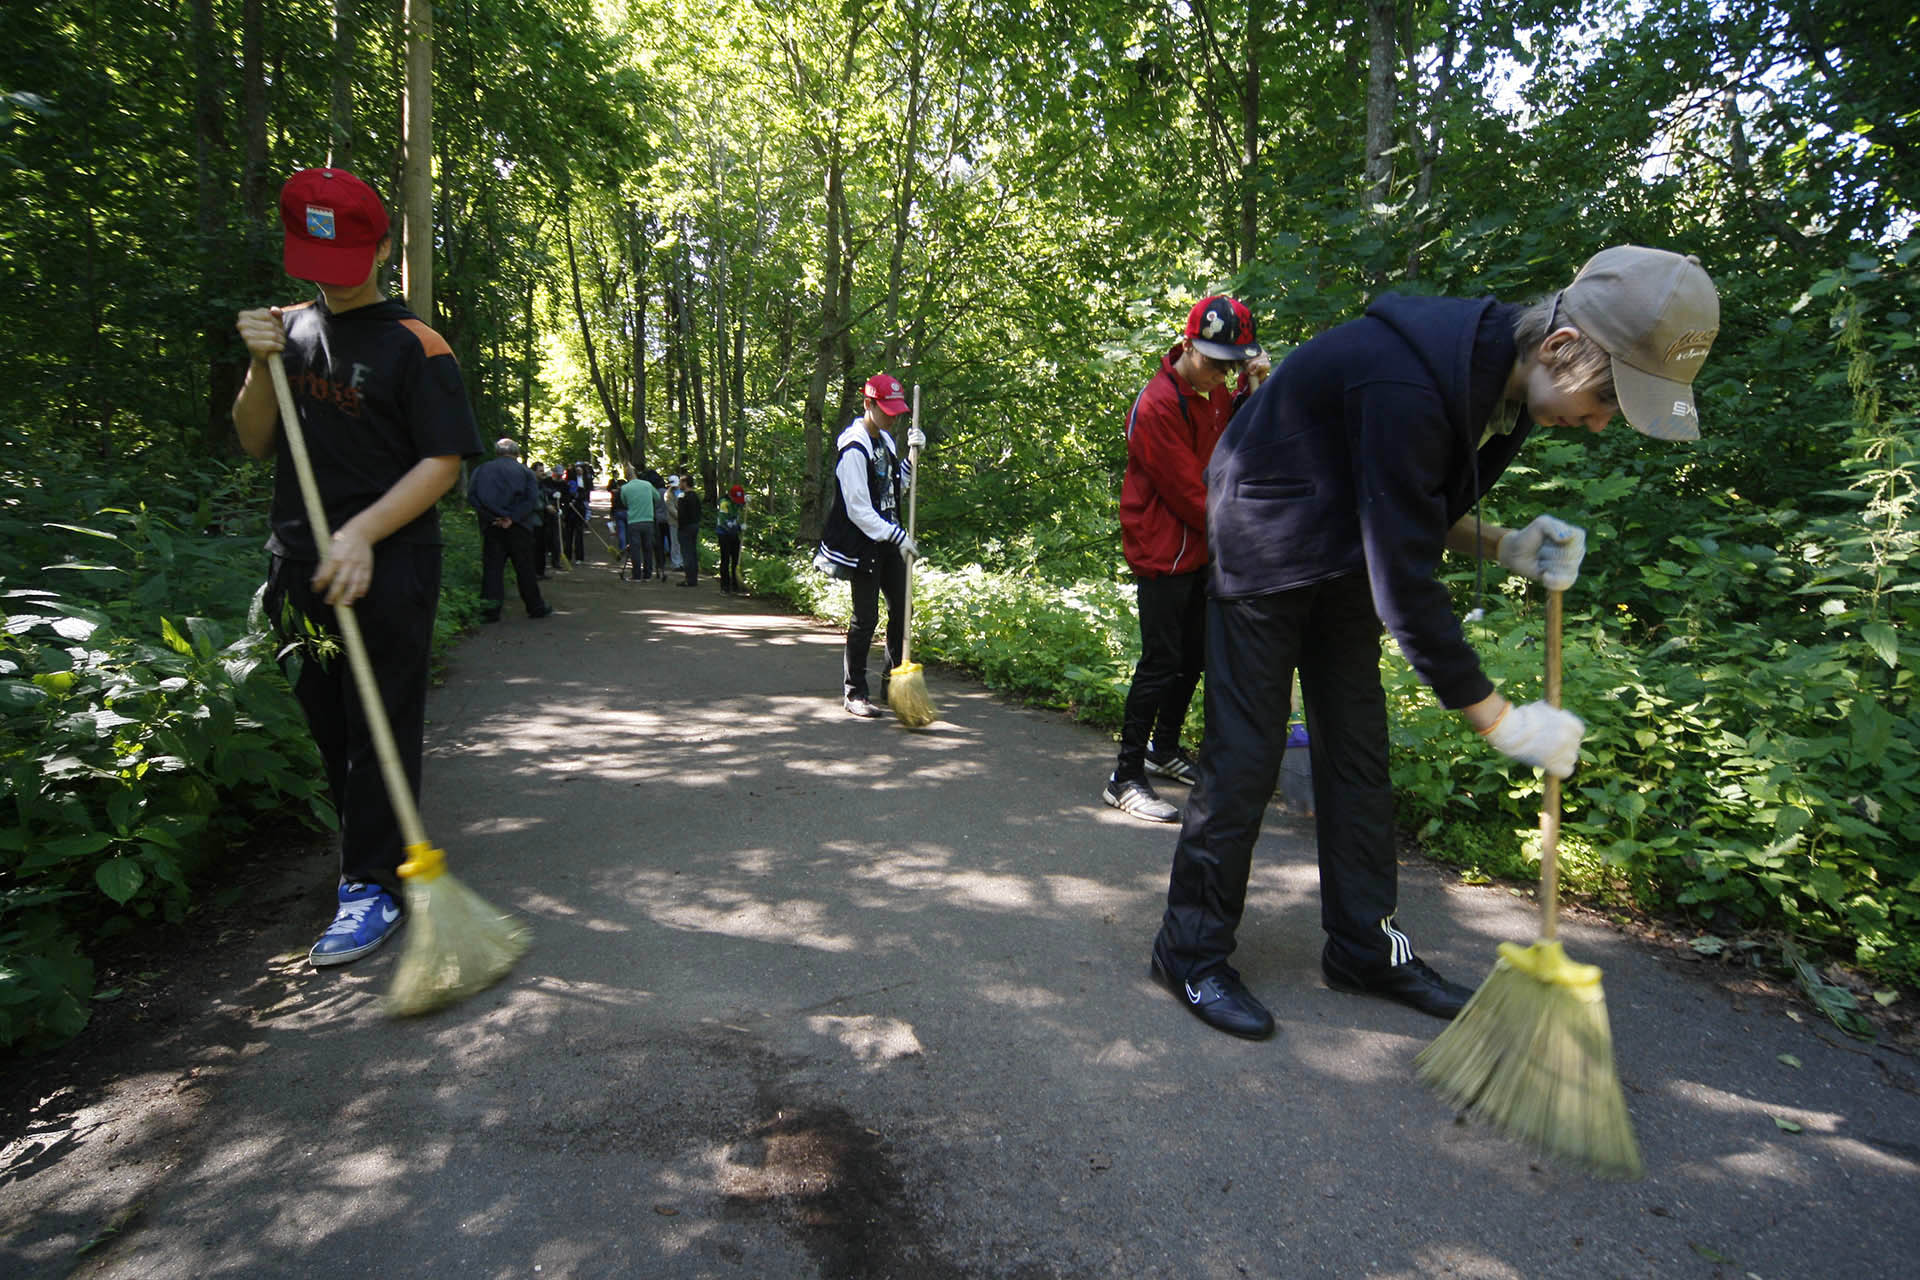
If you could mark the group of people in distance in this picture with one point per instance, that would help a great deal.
(1276, 519)
(656, 524)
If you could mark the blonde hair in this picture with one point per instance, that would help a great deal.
(1579, 365)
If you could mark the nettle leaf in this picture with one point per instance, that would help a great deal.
(18, 695)
(171, 634)
(119, 878)
(1786, 1125)
(1881, 639)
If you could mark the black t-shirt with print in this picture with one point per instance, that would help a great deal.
(377, 391)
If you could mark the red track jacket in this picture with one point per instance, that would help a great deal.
(1171, 432)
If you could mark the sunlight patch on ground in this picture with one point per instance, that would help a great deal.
(533, 902)
(797, 922)
(873, 1041)
(1019, 997)
(1367, 1057)
(1124, 1055)
(1467, 1262)
(921, 873)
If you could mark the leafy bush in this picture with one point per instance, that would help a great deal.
(138, 739)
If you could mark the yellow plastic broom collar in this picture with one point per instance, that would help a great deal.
(1546, 961)
(424, 862)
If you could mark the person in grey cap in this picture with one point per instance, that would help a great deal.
(506, 495)
(1330, 499)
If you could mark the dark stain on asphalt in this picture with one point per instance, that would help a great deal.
(830, 1183)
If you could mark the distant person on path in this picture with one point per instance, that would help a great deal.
(617, 512)
(673, 521)
(863, 540)
(728, 525)
(386, 422)
(639, 496)
(506, 495)
(552, 492)
(1171, 430)
(1329, 501)
(689, 514)
(573, 513)
(662, 520)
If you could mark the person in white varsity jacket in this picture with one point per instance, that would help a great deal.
(863, 540)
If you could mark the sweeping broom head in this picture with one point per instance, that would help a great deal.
(455, 943)
(907, 695)
(1532, 1055)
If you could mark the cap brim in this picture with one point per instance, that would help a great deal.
(1655, 406)
(894, 406)
(1225, 350)
(342, 266)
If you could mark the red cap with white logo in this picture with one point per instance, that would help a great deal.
(334, 224)
(886, 388)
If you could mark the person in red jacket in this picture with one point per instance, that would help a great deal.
(1171, 430)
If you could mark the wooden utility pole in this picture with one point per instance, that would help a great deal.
(416, 270)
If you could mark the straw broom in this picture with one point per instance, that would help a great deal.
(906, 684)
(1532, 1053)
(456, 944)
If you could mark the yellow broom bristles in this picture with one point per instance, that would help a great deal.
(1532, 1055)
(455, 943)
(907, 695)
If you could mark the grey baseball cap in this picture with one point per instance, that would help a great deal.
(1656, 313)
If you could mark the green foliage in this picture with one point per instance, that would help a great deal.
(127, 762)
(144, 723)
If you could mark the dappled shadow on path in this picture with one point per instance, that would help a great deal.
(813, 995)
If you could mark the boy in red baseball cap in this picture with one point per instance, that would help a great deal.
(1171, 431)
(863, 540)
(729, 523)
(386, 421)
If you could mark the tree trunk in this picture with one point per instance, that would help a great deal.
(417, 283)
(209, 94)
(580, 314)
(340, 118)
(1250, 141)
(1380, 86)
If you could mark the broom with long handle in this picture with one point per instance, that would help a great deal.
(1532, 1052)
(455, 943)
(906, 683)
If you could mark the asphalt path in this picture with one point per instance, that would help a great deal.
(815, 996)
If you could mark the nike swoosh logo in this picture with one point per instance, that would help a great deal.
(1193, 997)
(389, 914)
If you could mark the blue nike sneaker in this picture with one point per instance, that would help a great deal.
(368, 915)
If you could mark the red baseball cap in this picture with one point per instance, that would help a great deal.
(1222, 327)
(885, 388)
(334, 224)
(737, 493)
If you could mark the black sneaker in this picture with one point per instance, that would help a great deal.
(859, 706)
(1221, 1001)
(544, 611)
(1136, 798)
(1177, 764)
(1414, 984)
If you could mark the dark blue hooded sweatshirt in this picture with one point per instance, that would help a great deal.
(1357, 455)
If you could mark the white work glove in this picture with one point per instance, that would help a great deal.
(916, 438)
(1548, 551)
(908, 547)
(1538, 734)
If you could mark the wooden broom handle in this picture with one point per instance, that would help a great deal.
(1550, 800)
(399, 790)
(913, 501)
